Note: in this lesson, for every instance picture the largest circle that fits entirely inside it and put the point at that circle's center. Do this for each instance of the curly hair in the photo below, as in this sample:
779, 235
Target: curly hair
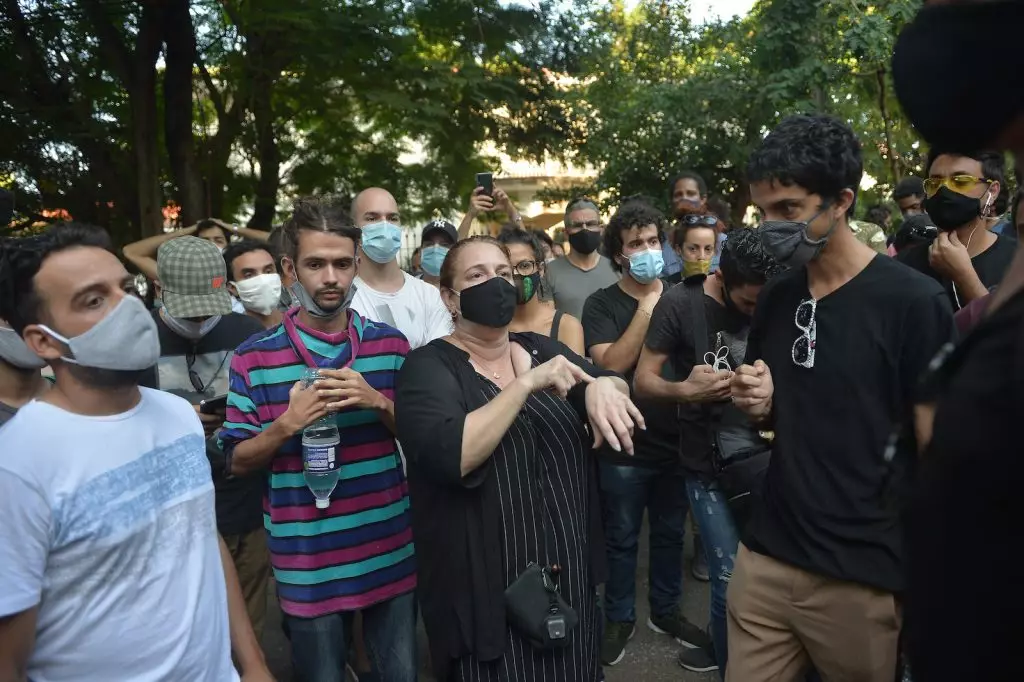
744, 260
22, 258
819, 153
634, 213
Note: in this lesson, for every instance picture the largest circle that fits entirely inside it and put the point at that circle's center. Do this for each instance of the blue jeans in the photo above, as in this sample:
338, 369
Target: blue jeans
625, 492
721, 542
319, 645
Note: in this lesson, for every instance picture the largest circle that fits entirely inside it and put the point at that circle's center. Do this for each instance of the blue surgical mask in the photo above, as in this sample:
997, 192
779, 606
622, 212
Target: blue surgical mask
431, 259
381, 241
646, 266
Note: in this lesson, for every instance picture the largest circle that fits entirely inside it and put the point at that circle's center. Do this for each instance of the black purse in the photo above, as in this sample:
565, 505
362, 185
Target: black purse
533, 605
739, 452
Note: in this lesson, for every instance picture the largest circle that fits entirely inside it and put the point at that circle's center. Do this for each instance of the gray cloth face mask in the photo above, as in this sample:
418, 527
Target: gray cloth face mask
126, 339
309, 304
787, 241
14, 351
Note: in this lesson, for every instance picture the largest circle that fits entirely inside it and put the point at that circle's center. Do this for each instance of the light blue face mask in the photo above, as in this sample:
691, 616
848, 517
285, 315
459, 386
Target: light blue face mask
381, 241
431, 259
646, 266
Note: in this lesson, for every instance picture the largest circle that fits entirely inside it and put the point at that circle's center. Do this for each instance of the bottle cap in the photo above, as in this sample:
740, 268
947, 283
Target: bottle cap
323, 504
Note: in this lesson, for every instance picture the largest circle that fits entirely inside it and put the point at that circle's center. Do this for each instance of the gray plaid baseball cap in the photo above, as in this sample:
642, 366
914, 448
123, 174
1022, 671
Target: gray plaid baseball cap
193, 278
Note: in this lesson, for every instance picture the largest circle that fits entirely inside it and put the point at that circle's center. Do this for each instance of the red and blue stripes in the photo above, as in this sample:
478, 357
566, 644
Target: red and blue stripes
359, 551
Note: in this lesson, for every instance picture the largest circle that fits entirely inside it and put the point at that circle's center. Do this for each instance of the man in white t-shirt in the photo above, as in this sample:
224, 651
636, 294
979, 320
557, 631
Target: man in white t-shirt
110, 563
383, 291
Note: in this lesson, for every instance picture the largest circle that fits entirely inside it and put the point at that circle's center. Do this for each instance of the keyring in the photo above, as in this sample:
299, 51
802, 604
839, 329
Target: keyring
719, 359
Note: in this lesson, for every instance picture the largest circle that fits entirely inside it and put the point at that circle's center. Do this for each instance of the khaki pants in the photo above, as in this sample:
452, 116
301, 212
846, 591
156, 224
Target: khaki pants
782, 618
252, 562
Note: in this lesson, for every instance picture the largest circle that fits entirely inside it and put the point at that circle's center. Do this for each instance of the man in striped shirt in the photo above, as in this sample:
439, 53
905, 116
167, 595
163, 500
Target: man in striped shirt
356, 555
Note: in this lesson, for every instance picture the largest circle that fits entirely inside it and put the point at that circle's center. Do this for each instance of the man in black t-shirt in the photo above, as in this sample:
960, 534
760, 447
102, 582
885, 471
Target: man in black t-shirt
727, 298
837, 347
198, 337
615, 320
966, 258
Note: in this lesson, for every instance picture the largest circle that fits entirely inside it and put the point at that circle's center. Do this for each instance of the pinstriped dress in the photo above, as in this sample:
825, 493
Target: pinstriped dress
550, 432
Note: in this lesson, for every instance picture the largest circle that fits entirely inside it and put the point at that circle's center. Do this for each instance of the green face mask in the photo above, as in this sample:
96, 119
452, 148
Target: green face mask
696, 267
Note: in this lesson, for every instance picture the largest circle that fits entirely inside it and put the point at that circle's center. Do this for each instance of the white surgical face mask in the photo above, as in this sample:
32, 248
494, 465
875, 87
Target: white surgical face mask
260, 294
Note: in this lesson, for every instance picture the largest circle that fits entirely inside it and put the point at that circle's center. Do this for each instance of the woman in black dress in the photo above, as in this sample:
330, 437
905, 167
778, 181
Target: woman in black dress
493, 425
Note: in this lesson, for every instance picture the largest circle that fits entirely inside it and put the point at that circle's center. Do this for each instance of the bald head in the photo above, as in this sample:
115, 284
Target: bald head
374, 205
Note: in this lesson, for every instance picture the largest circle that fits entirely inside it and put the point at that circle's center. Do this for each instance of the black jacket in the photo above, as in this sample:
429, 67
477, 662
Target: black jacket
457, 520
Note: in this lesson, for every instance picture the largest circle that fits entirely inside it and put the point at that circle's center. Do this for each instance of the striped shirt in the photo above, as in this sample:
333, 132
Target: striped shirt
359, 551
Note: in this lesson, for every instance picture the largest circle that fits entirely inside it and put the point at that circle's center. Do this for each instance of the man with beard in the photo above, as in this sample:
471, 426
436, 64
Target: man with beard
198, 334
383, 291
960, 195
20, 377
110, 564
837, 346
972, 473
615, 321
357, 554
575, 276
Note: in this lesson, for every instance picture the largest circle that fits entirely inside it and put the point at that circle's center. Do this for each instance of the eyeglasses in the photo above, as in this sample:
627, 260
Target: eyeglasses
193, 375
525, 268
718, 359
803, 347
708, 220
592, 225
961, 184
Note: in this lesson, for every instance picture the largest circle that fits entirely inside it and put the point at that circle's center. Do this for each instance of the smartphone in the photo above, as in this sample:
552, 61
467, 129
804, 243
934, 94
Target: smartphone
217, 405
486, 180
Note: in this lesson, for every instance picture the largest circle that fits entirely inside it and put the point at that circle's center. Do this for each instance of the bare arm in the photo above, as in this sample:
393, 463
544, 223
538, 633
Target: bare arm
969, 286
17, 640
244, 646
570, 332
254, 454
648, 382
142, 254
478, 203
486, 426
622, 355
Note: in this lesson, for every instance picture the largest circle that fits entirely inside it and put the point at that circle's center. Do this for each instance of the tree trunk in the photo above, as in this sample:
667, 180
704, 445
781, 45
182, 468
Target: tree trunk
265, 202
883, 107
145, 122
179, 36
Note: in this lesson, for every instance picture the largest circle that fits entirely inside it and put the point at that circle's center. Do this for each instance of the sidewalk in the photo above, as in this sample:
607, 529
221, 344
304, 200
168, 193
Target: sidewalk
649, 657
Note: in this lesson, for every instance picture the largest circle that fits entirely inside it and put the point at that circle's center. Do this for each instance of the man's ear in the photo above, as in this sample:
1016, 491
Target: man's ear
157, 289
42, 344
844, 202
232, 290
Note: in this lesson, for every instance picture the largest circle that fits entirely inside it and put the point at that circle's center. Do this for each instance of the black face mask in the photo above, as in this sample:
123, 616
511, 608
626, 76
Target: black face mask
951, 210
491, 304
527, 287
737, 319
585, 241
955, 102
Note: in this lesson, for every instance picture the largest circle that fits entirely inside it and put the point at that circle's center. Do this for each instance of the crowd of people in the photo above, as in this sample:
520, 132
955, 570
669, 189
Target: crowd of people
831, 409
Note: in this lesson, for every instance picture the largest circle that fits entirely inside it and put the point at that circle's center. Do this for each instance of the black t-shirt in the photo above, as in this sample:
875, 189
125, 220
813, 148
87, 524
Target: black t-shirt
969, 490
606, 315
990, 264
239, 500
671, 332
826, 505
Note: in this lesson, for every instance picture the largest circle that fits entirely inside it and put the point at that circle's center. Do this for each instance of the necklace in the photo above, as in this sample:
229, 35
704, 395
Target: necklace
496, 375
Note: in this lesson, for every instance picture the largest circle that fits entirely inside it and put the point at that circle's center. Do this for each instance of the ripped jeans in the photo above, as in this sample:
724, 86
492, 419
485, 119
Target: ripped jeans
721, 542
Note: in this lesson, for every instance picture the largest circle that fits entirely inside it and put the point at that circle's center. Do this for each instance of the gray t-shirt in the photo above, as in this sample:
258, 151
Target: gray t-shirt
570, 286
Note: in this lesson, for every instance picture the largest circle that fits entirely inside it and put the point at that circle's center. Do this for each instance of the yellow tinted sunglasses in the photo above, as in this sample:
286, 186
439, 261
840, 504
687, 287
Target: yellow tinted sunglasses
961, 184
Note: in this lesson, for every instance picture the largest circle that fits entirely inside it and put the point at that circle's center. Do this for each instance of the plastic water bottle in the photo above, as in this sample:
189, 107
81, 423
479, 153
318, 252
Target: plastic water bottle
320, 444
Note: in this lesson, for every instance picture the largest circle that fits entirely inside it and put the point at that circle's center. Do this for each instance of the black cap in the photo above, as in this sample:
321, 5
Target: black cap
440, 225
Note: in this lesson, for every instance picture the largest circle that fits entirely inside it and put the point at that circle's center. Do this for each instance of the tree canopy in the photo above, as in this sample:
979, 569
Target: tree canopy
113, 110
